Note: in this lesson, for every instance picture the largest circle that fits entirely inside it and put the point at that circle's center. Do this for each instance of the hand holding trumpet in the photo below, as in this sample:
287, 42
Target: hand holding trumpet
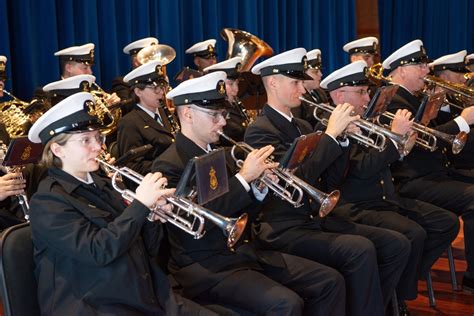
340, 118
152, 193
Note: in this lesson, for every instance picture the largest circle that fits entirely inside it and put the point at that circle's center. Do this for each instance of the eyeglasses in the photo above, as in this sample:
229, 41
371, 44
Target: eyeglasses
157, 88
360, 92
88, 141
216, 115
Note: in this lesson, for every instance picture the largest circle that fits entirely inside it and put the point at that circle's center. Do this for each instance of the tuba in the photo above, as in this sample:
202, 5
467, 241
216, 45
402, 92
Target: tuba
13, 116
245, 45
160, 52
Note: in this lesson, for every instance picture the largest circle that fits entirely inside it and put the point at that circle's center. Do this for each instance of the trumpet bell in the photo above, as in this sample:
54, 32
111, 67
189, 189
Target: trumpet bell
245, 45
235, 230
160, 52
459, 142
329, 202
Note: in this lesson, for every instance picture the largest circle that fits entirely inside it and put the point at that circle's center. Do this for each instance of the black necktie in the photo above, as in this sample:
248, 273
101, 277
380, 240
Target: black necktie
158, 119
293, 122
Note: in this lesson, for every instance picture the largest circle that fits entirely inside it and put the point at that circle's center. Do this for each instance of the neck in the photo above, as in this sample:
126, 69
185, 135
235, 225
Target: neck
78, 174
186, 131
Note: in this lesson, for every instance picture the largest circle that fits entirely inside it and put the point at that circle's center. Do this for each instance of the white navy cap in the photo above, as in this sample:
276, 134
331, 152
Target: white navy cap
61, 89
81, 54
150, 73
366, 45
134, 47
292, 63
3, 67
79, 83
469, 60
314, 59
453, 62
207, 91
230, 66
205, 49
71, 114
351, 75
411, 53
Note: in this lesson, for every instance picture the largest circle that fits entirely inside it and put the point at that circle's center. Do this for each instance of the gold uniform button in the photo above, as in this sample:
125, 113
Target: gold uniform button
393, 179
311, 216
381, 182
383, 197
232, 249
173, 140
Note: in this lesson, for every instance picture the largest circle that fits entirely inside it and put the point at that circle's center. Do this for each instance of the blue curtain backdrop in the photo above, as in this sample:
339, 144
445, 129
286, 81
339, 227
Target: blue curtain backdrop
445, 27
31, 31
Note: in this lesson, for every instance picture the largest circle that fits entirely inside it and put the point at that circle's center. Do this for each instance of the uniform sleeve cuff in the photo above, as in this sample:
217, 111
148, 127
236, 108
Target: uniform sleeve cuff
244, 183
462, 124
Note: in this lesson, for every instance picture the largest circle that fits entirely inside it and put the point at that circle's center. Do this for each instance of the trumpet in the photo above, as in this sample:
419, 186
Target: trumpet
404, 143
327, 201
428, 137
193, 220
462, 93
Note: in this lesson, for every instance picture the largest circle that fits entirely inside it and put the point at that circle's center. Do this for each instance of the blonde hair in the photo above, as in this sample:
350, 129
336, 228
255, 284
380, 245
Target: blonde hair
48, 159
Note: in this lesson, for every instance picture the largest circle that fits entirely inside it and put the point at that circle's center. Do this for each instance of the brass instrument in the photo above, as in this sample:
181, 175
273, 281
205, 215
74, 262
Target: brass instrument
12, 115
462, 93
160, 52
245, 45
404, 143
375, 74
109, 115
427, 137
327, 201
193, 219
22, 198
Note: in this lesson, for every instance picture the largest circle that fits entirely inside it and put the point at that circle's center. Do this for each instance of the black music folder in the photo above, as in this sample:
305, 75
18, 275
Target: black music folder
379, 102
300, 150
208, 174
21, 152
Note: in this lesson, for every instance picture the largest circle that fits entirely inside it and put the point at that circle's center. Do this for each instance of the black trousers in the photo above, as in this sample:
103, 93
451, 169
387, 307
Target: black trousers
454, 196
303, 288
429, 229
371, 259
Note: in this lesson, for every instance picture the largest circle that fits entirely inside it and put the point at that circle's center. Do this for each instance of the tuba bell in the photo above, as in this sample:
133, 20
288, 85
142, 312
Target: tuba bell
159, 52
245, 45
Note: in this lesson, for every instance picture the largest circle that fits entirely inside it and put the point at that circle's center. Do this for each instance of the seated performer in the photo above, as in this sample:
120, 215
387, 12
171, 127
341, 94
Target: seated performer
365, 49
368, 192
204, 54
238, 118
295, 230
121, 88
313, 92
146, 123
94, 254
426, 175
261, 282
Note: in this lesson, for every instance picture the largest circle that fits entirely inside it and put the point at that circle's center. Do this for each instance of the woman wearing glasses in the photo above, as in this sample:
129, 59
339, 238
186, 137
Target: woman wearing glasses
146, 123
94, 254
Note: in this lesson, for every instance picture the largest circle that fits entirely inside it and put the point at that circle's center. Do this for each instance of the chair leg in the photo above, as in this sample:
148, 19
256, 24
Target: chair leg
452, 269
395, 303
429, 285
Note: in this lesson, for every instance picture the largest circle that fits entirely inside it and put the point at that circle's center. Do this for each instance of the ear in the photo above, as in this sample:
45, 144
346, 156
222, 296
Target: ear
68, 67
57, 150
185, 113
137, 92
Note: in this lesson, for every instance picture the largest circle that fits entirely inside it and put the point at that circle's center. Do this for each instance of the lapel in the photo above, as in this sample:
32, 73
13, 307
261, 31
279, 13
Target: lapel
408, 99
151, 123
282, 124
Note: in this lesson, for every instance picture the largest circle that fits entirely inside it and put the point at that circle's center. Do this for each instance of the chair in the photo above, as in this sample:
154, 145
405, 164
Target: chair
452, 271
18, 283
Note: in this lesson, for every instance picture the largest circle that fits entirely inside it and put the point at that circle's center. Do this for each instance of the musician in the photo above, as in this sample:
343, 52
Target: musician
147, 122
238, 118
450, 68
261, 282
470, 65
313, 91
425, 175
204, 54
334, 240
61, 89
365, 49
368, 192
121, 88
93, 253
